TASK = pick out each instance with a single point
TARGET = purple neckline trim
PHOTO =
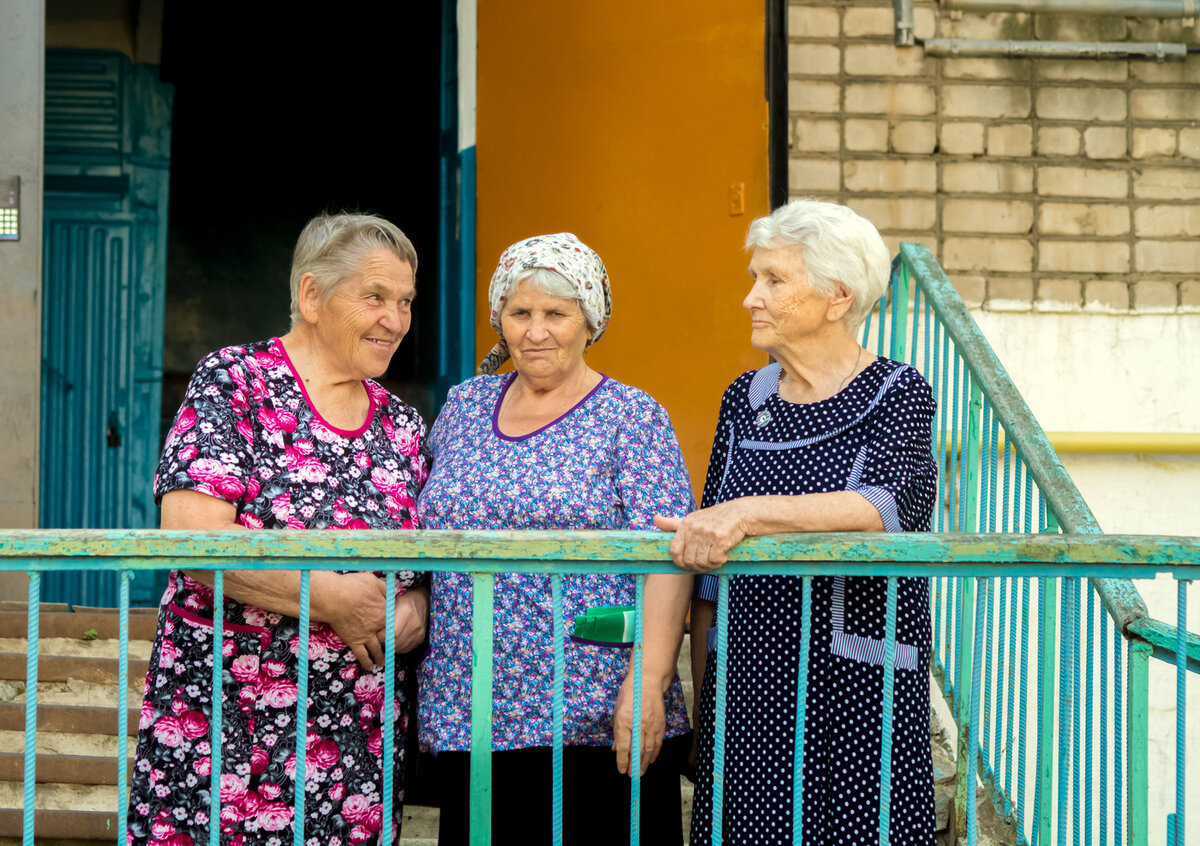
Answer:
(567, 413)
(349, 433)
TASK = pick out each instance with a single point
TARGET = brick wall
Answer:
(1040, 185)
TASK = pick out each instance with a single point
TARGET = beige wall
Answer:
(1041, 185)
(21, 69)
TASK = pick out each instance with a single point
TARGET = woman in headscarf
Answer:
(552, 445)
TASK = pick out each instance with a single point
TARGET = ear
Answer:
(310, 298)
(839, 303)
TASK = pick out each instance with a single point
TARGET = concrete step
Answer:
(61, 668)
(62, 769)
(67, 718)
(53, 624)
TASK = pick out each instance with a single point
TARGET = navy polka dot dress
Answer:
(874, 437)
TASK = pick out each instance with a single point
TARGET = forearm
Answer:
(279, 591)
(838, 511)
(704, 614)
(664, 610)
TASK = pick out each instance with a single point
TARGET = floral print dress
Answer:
(611, 462)
(247, 434)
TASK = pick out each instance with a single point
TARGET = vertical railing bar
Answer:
(718, 800)
(1006, 518)
(557, 709)
(1001, 587)
(965, 773)
(866, 330)
(943, 436)
(889, 681)
(1119, 733)
(801, 712)
(482, 634)
(33, 615)
(1181, 628)
(388, 715)
(302, 668)
(982, 590)
(1089, 727)
(1011, 712)
(986, 667)
(1046, 682)
(635, 754)
(217, 701)
(1066, 706)
(1105, 752)
(913, 357)
(123, 705)
(1022, 734)
(882, 325)
(1139, 739)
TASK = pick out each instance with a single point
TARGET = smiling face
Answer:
(361, 325)
(546, 335)
(784, 309)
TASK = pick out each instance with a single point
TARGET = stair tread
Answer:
(71, 825)
(74, 625)
(77, 719)
(62, 769)
(58, 668)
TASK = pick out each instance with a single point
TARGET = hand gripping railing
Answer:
(485, 554)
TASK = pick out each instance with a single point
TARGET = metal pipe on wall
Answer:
(1127, 8)
(904, 23)
(976, 48)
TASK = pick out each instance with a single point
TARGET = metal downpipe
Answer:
(904, 23)
(1117, 50)
(1126, 8)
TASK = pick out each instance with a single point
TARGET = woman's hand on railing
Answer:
(654, 723)
(412, 615)
(703, 537)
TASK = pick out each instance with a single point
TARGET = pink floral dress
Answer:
(247, 434)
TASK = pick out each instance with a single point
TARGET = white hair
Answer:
(332, 247)
(553, 284)
(839, 246)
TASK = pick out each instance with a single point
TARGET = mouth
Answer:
(382, 343)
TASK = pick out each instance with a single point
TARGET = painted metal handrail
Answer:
(998, 472)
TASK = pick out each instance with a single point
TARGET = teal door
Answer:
(107, 156)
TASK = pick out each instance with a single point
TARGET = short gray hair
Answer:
(838, 245)
(332, 246)
(554, 284)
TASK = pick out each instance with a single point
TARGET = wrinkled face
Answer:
(546, 335)
(362, 324)
(784, 310)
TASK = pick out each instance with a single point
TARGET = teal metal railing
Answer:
(998, 473)
(484, 554)
(1061, 748)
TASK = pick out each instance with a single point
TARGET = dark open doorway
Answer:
(279, 115)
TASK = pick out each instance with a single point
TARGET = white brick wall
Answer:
(1043, 185)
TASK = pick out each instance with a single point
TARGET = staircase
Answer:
(77, 743)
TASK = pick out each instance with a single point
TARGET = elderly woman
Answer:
(551, 445)
(827, 438)
(289, 433)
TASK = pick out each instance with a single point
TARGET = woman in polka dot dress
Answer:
(826, 438)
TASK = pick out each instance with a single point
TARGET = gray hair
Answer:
(839, 246)
(553, 284)
(332, 246)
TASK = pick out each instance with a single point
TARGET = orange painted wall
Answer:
(626, 122)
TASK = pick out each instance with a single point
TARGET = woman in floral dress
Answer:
(289, 433)
(552, 445)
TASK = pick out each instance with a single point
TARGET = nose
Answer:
(753, 297)
(537, 328)
(393, 320)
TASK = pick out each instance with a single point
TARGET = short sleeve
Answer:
(706, 585)
(209, 448)
(899, 476)
(651, 476)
